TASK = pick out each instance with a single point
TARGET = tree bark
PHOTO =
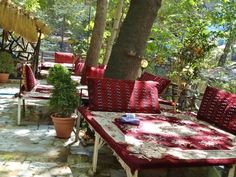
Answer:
(97, 34)
(114, 31)
(62, 45)
(223, 57)
(127, 53)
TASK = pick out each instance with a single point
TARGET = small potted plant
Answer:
(6, 66)
(64, 100)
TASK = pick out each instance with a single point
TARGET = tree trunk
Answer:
(223, 57)
(62, 45)
(114, 31)
(97, 34)
(127, 53)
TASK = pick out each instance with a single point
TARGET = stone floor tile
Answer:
(60, 171)
(117, 173)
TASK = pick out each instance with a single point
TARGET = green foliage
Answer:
(64, 98)
(6, 62)
(229, 86)
(29, 5)
(182, 35)
(79, 47)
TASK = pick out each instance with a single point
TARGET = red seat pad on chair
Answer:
(63, 57)
(123, 95)
(29, 80)
(163, 82)
(213, 105)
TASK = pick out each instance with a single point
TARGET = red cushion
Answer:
(29, 80)
(163, 82)
(92, 72)
(228, 121)
(79, 65)
(123, 95)
(213, 105)
(102, 66)
(63, 57)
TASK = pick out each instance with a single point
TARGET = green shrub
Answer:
(64, 98)
(6, 62)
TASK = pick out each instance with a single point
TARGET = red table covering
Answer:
(163, 140)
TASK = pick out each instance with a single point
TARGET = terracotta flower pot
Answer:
(4, 77)
(63, 126)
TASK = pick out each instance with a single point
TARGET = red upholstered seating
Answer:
(92, 72)
(79, 65)
(29, 81)
(102, 66)
(163, 82)
(218, 107)
(213, 105)
(63, 57)
(229, 117)
(123, 95)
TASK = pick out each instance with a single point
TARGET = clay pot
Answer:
(63, 126)
(4, 77)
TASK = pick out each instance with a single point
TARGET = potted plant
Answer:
(6, 66)
(64, 100)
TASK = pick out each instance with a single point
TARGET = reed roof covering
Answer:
(14, 18)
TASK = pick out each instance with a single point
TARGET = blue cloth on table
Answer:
(130, 119)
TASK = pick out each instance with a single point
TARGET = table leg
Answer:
(97, 145)
(232, 171)
(129, 174)
(77, 128)
(126, 167)
(19, 111)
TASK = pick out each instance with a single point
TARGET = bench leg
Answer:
(130, 174)
(19, 111)
(97, 145)
(232, 171)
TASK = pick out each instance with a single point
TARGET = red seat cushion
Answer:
(92, 72)
(63, 57)
(163, 82)
(123, 95)
(213, 105)
(29, 80)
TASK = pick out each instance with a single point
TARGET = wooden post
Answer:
(35, 62)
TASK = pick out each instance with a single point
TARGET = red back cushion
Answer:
(228, 122)
(63, 57)
(123, 95)
(92, 72)
(102, 66)
(163, 82)
(79, 65)
(29, 80)
(213, 105)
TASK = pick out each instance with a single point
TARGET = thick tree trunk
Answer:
(127, 53)
(114, 31)
(62, 45)
(97, 34)
(223, 57)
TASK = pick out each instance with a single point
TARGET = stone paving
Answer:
(32, 150)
